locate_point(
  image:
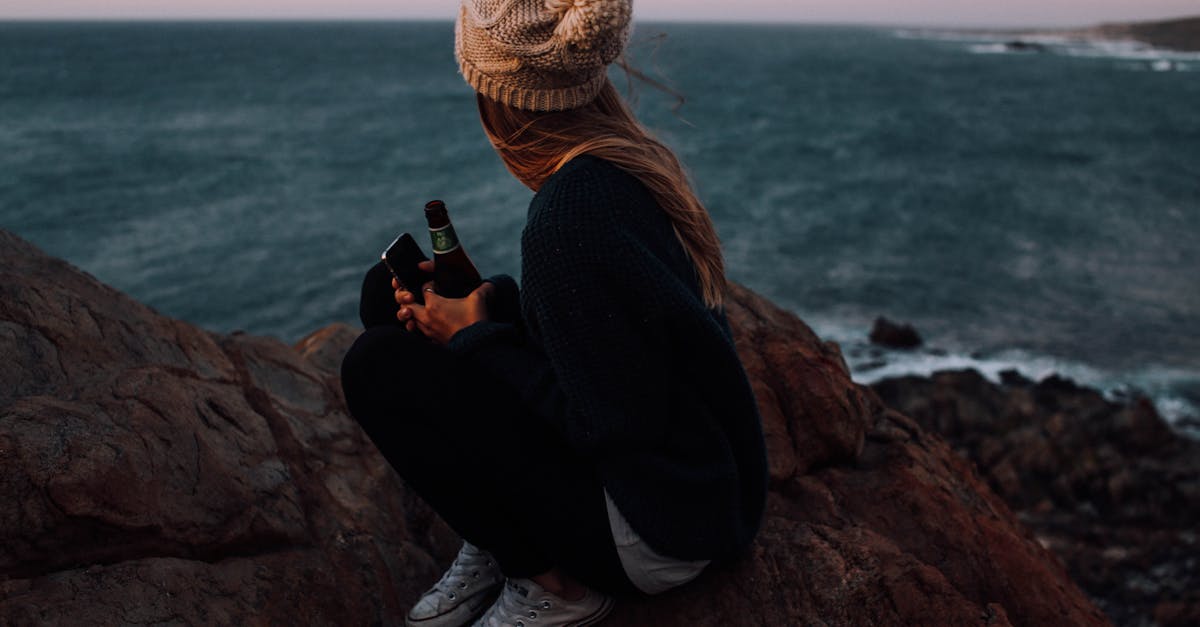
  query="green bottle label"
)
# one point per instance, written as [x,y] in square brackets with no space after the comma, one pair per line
[444,239]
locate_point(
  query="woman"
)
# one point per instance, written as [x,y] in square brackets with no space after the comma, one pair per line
[592,433]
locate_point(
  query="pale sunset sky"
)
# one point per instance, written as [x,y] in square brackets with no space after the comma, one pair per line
[899,12]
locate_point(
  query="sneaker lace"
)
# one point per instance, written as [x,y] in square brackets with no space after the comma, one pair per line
[468,566]
[514,608]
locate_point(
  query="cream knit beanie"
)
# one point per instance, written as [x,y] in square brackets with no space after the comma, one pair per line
[540,55]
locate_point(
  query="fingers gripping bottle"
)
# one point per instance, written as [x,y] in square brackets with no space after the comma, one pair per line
[454,276]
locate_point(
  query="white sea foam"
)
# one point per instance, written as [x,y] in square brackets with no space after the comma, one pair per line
[1148,58]
[924,363]
[979,36]
[991,48]
[1181,413]
[1125,49]
[870,364]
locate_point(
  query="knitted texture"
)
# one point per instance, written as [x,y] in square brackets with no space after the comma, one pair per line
[617,353]
[540,55]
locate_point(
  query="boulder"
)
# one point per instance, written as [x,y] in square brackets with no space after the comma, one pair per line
[1107,484]
[894,335]
[158,473]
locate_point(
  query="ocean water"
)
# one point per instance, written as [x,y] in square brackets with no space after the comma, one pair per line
[1038,211]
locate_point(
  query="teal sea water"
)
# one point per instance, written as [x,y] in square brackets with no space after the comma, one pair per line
[1038,211]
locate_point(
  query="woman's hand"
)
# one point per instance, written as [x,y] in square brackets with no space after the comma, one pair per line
[440,318]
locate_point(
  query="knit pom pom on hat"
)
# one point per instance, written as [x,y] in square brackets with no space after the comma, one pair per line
[584,21]
[540,55]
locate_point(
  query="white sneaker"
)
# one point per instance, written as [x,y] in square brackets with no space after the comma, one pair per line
[523,603]
[463,593]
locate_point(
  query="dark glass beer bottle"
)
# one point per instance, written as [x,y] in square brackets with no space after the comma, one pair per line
[454,276]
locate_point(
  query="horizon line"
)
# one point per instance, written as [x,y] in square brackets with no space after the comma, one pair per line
[656,20]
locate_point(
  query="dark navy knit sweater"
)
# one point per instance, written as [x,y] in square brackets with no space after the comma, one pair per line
[616,351]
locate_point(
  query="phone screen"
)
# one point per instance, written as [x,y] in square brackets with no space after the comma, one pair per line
[402,257]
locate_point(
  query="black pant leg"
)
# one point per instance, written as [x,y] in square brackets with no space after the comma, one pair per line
[499,478]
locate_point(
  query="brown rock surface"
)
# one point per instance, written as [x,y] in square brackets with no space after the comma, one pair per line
[1106,484]
[153,472]
[884,332]
[157,473]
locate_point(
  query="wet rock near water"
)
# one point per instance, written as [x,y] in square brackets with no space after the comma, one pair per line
[1107,485]
[894,335]
[157,473]
[1020,45]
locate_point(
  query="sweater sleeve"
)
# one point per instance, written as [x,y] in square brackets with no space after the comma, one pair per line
[601,375]
[505,304]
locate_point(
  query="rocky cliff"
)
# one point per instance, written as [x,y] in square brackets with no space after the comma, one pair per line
[156,473]
[1106,484]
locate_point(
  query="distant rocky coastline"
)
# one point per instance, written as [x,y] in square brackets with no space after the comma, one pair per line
[1181,34]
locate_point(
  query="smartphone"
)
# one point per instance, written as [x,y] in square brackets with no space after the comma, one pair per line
[402,257]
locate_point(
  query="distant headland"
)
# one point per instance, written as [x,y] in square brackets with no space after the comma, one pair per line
[1179,34]
[1182,34]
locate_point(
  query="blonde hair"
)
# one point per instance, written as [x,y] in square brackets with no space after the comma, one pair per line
[535,145]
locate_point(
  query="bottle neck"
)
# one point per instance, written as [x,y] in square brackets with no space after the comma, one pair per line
[436,215]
